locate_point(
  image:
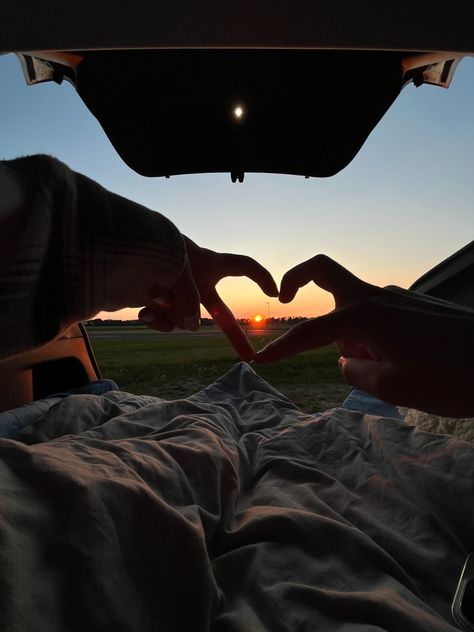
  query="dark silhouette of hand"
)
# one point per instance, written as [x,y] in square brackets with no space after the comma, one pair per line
[405,348]
[202,271]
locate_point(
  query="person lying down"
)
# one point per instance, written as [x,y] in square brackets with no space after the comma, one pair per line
[230,509]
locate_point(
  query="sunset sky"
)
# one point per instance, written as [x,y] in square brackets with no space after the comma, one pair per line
[403,204]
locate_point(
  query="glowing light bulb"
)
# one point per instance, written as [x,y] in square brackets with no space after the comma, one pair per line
[238,111]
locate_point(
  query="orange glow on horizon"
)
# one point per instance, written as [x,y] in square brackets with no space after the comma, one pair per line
[241,296]
[242,308]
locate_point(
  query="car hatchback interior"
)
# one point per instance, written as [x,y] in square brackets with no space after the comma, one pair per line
[231,508]
[169,112]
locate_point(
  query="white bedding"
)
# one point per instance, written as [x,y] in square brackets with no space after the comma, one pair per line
[229,511]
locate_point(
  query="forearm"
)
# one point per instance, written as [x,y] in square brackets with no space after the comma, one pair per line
[78,249]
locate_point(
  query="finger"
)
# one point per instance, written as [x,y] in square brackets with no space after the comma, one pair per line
[241,265]
[186,301]
[156,320]
[372,376]
[318,332]
[225,319]
[328,275]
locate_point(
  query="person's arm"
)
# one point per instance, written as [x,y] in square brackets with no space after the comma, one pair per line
[12,213]
[70,248]
[405,348]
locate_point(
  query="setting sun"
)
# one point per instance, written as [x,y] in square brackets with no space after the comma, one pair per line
[258,318]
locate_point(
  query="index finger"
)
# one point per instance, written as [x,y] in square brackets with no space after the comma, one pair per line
[340,324]
[225,319]
[327,274]
[242,265]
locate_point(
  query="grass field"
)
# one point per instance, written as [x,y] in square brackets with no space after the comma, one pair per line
[178,364]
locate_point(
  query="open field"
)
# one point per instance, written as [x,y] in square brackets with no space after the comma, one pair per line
[178,364]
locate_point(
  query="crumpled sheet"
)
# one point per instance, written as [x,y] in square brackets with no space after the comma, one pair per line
[229,511]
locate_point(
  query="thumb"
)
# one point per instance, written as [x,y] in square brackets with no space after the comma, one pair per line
[372,376]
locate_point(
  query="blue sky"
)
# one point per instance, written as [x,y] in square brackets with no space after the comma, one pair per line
[401,206]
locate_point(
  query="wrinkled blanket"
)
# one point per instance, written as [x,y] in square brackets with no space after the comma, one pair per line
[231,511]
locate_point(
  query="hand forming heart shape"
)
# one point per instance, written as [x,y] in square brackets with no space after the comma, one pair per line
[405,348]
[327,274]
[323,271]
[203,269]
[390,339]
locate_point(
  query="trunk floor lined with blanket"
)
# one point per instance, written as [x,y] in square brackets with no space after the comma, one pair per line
[230,510]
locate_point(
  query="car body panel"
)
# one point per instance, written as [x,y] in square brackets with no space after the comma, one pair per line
[364,25]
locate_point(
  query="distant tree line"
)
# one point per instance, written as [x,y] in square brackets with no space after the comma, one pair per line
[111,322]
[272,322]
[205,322]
